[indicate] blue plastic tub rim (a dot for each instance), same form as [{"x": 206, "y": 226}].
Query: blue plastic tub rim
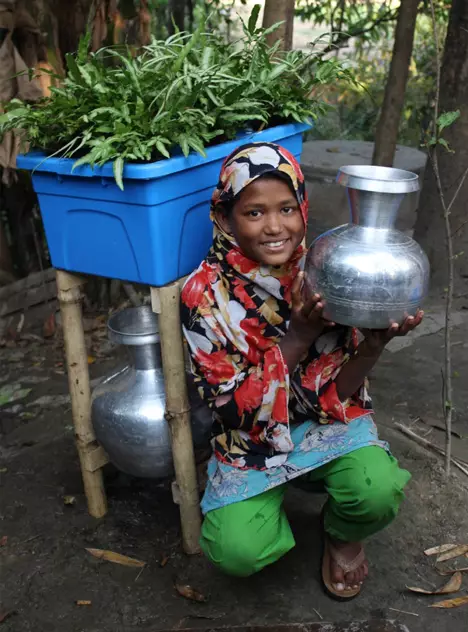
[{"x": 40, "y": 161}]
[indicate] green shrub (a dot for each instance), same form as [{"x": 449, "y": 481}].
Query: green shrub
[{"x": 187, "y": 92}]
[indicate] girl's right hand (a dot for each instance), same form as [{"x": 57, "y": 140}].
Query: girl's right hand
[{"x": 307, "y": 322}]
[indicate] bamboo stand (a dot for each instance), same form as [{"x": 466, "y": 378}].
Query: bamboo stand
[
  {"x": 165, "y": 302},
  {"x": 92, "y": 457}
]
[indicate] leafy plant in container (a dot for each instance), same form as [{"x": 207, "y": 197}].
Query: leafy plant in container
[{"x": 127, "y": 150}]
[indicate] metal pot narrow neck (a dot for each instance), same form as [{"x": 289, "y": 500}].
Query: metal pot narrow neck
[
  {"x": 375, "y": 193},
  {"x": 145, "y": 357},
  {"x": 372, "y": 209}
]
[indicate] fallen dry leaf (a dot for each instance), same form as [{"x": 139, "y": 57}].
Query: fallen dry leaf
[
  {"x": 163, "y": 561},
  {"x": 3, "y": 540},
  {"x": 117, "y": 558},
  {"x": 91, "y": 359},
  {"x": 83, "y": 602},
  {"x": 461, "y": 549},
  {"x": 453, "y": 585},
  {"x": 69, "y": 500},
  {"x": 450, "y": 571},
  {"x": 439, "y": 549},
  {"x": 190, "y": 593},
  {"x": 451, "y": 603}
]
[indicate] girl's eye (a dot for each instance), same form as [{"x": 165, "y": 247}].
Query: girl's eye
[
  {"x": 287, "y": 210},
  {"x": 254, "y": 214}
]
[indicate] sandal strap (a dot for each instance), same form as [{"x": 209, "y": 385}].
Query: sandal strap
[{"x": 347, "y": 566}]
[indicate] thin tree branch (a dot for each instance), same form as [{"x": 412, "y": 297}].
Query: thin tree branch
[
  {"x": 459, "y": 228},
  {"x": 448, "y": 406},
  {"x": 455, "y": 195},
  {"x": 343, "y": 38}
]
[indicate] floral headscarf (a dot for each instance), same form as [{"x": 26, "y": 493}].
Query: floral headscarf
[{"x": 235, "y": 312}]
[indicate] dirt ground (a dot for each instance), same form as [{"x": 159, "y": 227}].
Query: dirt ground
[{"x": 46, "y": 569}]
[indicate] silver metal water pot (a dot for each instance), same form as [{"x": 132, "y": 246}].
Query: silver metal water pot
[
  {"x": 128, "y": 406},
  {"x": 369, "y": 273}
]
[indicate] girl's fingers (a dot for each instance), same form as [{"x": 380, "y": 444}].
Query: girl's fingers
[
  {"x": 407, "y": 326},
  {"x": 296, "y": 291},
  {"x": 313, "y": 304}
]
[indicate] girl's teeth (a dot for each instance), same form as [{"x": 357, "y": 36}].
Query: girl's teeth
[{"x": 275, "y": 244}]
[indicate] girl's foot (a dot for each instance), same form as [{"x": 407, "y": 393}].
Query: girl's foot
[{"x": 344, "y": 556}]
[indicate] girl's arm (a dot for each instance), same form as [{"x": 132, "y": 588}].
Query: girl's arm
[
  {"x": 354, "y": 372},
  {"x": 305, "y": 326}
]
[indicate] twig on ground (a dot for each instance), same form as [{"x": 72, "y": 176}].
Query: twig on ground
[
  {"x": 33, "y": 537},
  {"x": 318, "y": 614},
  {"x": 142, "y": 569},
  {"x": 439, "y": 427},
  {"x": 413, "y": 614},
  {"x": 430, "y": 446}
]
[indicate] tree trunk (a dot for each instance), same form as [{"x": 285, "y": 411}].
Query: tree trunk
[
  {"x": 387, "y": 128},
  {"x": 6, "y": 266},
  {"x": 429, "y": 229},
  {"x": 176, "y": 14},
  {"x": 72, "y": 19},
  {"x": 280, "y": 11}
]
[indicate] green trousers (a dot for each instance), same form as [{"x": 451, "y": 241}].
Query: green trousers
[{"x": 365, "y": 490}]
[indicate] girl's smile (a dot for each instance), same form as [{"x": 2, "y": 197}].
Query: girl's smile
[{"x": 266, "y": 221}]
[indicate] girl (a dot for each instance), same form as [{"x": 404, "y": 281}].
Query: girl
[{"x": 287, "y": 389}]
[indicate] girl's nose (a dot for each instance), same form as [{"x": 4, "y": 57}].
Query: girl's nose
[{"x": 273, "y": 225}]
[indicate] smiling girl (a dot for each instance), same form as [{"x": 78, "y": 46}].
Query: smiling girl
[{"x": 287, "y": 389}]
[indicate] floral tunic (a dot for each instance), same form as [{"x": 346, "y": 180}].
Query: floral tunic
[{"x": 234, "y": 313}]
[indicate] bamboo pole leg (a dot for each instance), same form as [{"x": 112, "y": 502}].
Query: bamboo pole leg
[
  {"x": 69, "y": 295},
  {"x": 165, "y": 300}
]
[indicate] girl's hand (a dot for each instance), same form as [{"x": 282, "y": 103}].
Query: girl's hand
[
  {"x": 375, "y": 340},
  {"x": 306, "y": 322}
]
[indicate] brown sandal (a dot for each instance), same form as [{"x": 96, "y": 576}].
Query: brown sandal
[{"x": 329, "y": 553}]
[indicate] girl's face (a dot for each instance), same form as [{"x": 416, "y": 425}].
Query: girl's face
[{"x": 265, "y": 221}]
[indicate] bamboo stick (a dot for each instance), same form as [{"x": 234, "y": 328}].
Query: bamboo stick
[
  {"x": 166, "y": 300},
  {"x": 69, "y": 296}
]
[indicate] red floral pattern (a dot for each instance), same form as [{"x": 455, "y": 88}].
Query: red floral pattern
[
  {"x": 241, "y": 294},
  {"x": 194, "y": 291},
  {"x": 237, "y": 260},
  {"x": 217, "y": 367},
  {"x": 249, "y": 395}
]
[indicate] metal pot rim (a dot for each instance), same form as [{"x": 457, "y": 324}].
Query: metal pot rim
[
  {"x": 134, "y": 326},
  {"x": 378, "y": 179}
]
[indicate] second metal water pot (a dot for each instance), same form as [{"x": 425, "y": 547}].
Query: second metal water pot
[{"x": 128, "y": 406}]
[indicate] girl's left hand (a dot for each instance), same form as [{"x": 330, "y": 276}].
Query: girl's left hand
[{"x": 376, "y": 339}]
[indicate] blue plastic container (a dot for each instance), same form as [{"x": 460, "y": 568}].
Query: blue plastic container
[{"x": 155, "y": 231}]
